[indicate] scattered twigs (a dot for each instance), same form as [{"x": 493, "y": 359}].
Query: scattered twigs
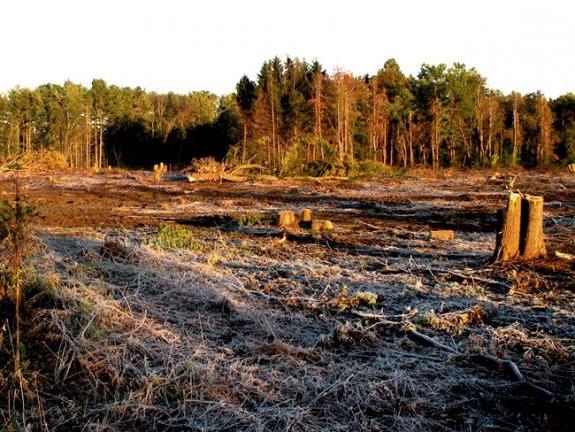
[
  {"x": 491, "y": 361},
  {"x": 473, "y": 278}
]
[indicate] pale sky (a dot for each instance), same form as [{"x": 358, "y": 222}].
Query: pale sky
[{"x": 190, "y": 45}]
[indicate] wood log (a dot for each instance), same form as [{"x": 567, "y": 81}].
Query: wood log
[
  {"x": 508, "y": 236},
  {"x": 571, "y": 168},
  {"x": 442, "y": 235},
  {"x": 286, "y": 219},
  {"x": 532, "y": 240}
]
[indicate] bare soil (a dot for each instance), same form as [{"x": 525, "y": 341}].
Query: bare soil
[{"x": 259, "y": 329}]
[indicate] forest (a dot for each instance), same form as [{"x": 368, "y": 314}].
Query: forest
[{"x": 294, "y": 118}]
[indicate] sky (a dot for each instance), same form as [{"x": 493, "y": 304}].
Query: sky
[{"x": 182, "y": 46}]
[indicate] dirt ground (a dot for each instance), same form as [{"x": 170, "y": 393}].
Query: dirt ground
[{"x": 260, "y": 330}]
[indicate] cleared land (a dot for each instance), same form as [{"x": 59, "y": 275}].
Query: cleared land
[{"x": 241, "y": 330}]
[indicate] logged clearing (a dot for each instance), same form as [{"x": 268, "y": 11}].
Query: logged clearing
[{"x": 169, "y": 305}]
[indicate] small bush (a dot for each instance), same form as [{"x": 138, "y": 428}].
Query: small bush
[
  {"x": 251, "y": 219},
  {"x": 369, "y": 168},
  {"x": 174, "y": 237}
]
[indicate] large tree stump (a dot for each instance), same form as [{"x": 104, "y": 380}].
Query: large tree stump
[
  {"x": 509, "y": 233},
  {"x": 520, "y": 233},
  {"x": 533, "y": 243}
]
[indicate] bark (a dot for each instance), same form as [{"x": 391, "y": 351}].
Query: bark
[
  {"x": 508, "y": 237},
  {"x": 516, "y": 130},
  {"x": 533, "y": 243}
]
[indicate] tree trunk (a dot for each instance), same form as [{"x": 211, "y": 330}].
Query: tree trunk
[
  {"x": 533, "y": 243},
  {"x": 244, "y": 140},
  {"x": 508, "y": 236},
  {"x": 101, "y": 150}
]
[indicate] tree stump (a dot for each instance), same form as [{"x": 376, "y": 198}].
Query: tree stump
[
  {"x": 306, "y": 218},
  {"x": 159, "y": 170},
  {"x": 533, "y": 243},
  {"x": 321, "y": 225},
  {"x": 520, "y": 233},
  {"x": 509, "y": 235},
  {"x": 286, "y": 219}
]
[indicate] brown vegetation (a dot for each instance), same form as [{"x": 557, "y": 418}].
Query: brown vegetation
[{"x": 164, "y": 305}]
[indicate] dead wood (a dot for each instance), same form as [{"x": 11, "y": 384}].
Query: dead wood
[
  {"x": 508, "y": 237},
  {"x": 287, "y": 219},
  {"x": 321, "y": 225},
  {"x": 520, "y": 235},
  {"x": 565, "y": 256},
  {"x": 533, "y": 244}
]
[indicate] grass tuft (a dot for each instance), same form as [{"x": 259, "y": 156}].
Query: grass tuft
[{"x": 175, "y": 237}]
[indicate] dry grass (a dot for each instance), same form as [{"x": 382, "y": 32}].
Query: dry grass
[{"x": 254, "y": 335}]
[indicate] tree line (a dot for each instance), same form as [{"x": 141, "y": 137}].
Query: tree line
[
  {"x": 121, "y": 126},
  {"x": 296, "y": 115},
  {"x": 295, "y": 118}
]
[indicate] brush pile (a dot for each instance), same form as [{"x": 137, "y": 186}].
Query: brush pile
[{"x": 40, "y": 160}]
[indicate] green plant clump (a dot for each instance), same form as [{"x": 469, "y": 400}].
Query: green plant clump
[
  {"x": 251, "y": 219},
  {"x": 174, "y": 237}
]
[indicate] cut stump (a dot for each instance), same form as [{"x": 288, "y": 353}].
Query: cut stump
[
  {"x": 306, "y": 215},
  {"x": 508, "y": 236},
  {"x": 321, "y": 225},
  {"x": 533, "y": 243},
  {"x": 520, "y": 233},
  {"x": 286, "y": 219},
  {"x": 306, "y": 218}
]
